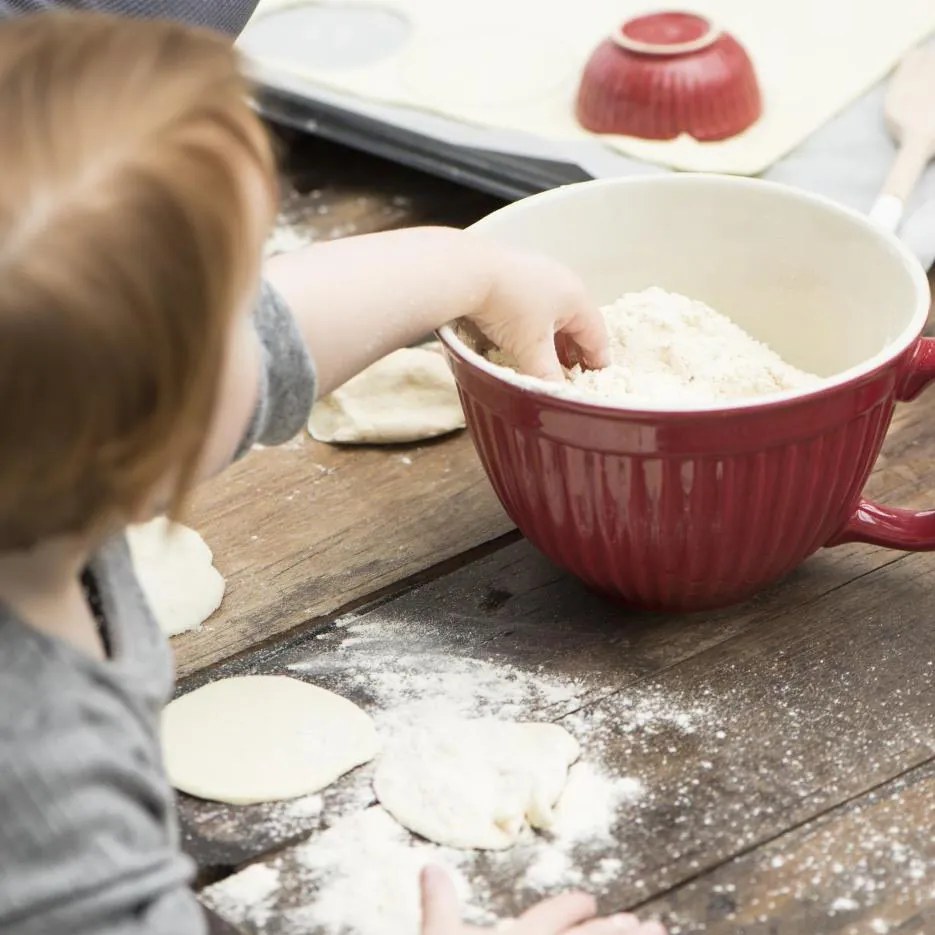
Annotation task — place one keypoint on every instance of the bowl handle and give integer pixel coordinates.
(889, 526)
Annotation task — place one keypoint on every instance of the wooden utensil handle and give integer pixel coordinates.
(911, 160)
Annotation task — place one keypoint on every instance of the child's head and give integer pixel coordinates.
(136, 188)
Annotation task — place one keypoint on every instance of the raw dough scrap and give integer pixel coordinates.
(812, 58)
(262, 738)
(405, 397)
(475, 783)
(175, 569)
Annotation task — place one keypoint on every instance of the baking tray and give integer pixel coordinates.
(504, 175)
(846, 160)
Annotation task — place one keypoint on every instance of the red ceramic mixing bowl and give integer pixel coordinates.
(686, 510)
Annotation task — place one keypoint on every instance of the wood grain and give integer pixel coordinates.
(785, 747)
(762, 729)
(272, 519)
(811, 694)
(863, 867)
(303, 531)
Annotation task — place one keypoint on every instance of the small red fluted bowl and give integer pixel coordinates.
(694, 509)
(665, 74)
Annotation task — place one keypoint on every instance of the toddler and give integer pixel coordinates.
(141, 352)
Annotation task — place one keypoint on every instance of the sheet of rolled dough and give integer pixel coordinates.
(262, 738)
(516, 65)
(175, 569)
(475, 783)
(407, 396)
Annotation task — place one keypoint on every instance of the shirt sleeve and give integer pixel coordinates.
(229, 16)
(287, 374)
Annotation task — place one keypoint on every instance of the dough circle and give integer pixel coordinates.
(175, 569)
(492, 67)
(407, 396)
(475, 783)
(262, 738)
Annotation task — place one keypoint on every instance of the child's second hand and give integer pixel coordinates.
(567, 914)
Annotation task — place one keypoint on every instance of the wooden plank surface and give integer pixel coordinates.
(303, 530)
(270, 519)
(784, 750)
(757, 730)
(864, 867)
(740, 724)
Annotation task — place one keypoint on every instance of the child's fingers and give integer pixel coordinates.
(556, 915)
(652, 928)
(588, 330)
(441, 914)
(537, 357)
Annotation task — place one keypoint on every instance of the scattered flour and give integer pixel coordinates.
(245, 897)
(285, 238)
(606, 871)
(844, 904)
(305, 807)
(406, 689)
(588, 806)
(583, 824)
(367, 869)
(552, 866)
(360, 875)
(408, 664)
(667, 349)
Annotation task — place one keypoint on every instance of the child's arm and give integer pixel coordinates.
(355, 300)
(348, 303)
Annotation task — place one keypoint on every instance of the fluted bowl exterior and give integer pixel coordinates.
(677, 511)
(686, 509)
(711, 93)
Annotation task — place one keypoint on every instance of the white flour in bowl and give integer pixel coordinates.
(667, 349)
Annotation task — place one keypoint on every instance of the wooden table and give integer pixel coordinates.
(785, 748)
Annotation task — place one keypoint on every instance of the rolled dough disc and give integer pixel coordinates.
(475, 783)
(405, 397)
(262, 738)
(175, 569)
(444, 72)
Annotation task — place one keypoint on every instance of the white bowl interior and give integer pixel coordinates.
(821, 285)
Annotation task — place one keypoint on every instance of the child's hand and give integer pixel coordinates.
(531, 300)
(357, 299)
(568, 914)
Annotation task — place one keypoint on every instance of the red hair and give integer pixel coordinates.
(125, 249)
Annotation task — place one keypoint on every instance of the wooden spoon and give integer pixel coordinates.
(910, 117)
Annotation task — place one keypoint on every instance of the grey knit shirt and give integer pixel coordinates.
(228, 16)
(88, 838)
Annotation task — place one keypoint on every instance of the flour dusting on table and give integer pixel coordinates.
(285, 238)
(367, 867)
(295, 224)
(245, 897)
(669, 350)
(360, 875)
